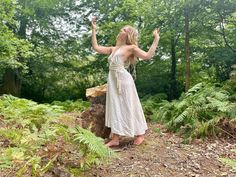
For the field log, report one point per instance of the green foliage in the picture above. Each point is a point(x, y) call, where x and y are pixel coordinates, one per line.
point(150, 102)
point(230, 85)
point(69, 105)
point(33, 137)
point(49, 44)
point(197, 112)
point(91, 146)
point(10, 155)
point(228, 161)
point(11, 47)
point(26, 113)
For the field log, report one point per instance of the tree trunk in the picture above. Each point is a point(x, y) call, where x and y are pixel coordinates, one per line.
point(11, 78)
point(173, 82)
point(22, 29)
point(187, 50)
point(11, 82)
point(94, 117)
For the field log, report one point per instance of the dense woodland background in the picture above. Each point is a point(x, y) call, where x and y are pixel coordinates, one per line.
point(46, 50)
point(46, 56)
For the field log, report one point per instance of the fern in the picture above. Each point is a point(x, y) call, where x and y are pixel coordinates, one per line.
point(92, 143)
point(29, 128)
point(197, 112)
point(69, 106)
point(228, 161)
point(180, 118)
point(14, 135)
point(91, 147)
point(194, 89)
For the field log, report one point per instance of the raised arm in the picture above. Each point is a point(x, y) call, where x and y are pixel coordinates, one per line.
point(148, 55)
point(96, 47)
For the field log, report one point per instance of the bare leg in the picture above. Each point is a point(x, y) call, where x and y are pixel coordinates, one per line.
point(139, 139)
point(114, 141)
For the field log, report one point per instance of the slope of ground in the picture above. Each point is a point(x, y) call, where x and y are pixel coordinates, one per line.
point(163, 155)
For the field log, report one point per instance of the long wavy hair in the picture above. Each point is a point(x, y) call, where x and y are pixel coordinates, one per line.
point(132, 39)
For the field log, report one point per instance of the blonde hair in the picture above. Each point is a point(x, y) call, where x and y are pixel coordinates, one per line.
point(132, 39)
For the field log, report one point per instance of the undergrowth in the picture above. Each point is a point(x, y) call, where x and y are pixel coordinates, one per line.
point(196, 113)
point(69, 106)
point(202, 111)
point(229, 162)
point(34, 141)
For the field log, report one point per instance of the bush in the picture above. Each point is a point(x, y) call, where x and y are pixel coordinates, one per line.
point(197, 112)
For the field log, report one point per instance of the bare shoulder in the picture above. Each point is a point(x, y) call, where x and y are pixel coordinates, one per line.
point(103, 49)
point(130, 48)
point(133, 48)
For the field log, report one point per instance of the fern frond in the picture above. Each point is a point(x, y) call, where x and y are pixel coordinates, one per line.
point(229, 162)
point(194, 89)
point(93, 143)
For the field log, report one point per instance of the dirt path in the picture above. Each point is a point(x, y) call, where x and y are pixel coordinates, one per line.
point(163, 155)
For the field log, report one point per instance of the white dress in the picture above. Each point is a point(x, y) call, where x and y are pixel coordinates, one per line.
point(124, 113)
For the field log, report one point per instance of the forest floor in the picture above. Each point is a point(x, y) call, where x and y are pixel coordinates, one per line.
point(163, 154)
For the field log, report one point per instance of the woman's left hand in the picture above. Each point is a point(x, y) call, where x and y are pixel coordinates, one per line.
point(156, 33)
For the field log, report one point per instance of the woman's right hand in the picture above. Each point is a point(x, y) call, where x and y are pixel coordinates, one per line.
point(93, 23)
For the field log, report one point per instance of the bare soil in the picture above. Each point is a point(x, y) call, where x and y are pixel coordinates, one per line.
point(164, 154)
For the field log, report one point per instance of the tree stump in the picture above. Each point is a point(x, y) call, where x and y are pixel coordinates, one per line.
point(94, 117)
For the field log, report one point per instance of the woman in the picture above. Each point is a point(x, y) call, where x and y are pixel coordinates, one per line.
point(124, 114)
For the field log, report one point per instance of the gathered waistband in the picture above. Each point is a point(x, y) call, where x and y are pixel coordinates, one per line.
point(116, 68)
point(117, 74)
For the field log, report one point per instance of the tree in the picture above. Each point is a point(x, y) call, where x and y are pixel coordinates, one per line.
point(187, 52)
point(13, 51)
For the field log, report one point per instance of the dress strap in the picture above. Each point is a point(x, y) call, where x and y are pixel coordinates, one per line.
point(113, 53)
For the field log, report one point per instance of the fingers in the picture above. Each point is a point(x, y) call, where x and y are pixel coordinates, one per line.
point(158, 30)
point(93, 22)
point(94, 19)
